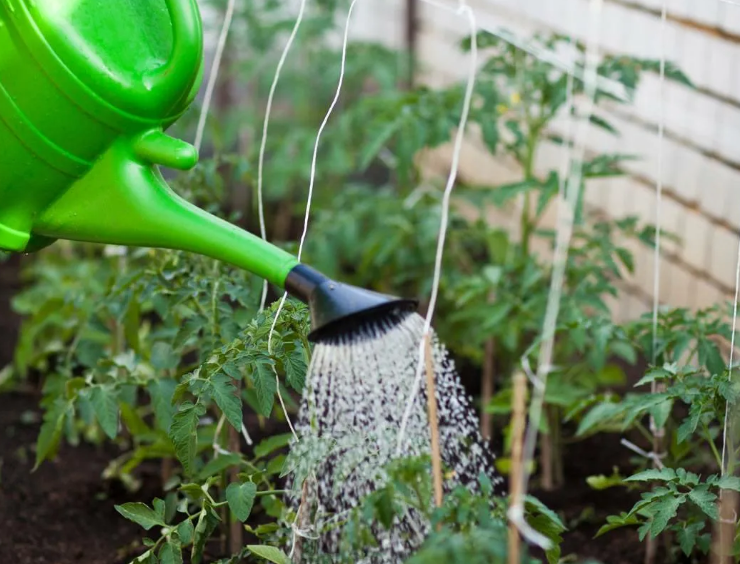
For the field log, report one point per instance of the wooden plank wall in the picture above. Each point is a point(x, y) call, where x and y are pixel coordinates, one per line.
point(701, 150)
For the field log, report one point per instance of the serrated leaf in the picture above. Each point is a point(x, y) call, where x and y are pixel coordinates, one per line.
point(295, 369)
point(729, 483)
point(705, 500)
point(662, 511)
point(184, 436)
point(687, 537)
point(170, 553)
point(269, 553)
point(228, 399)
point(141, 514)
point(51, 430)
point(105, 404)
point(265, 385)
point(241, 499)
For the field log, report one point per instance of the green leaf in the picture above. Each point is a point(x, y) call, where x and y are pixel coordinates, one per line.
point(218, 465)
point(705, 500)
point(271, 444)
point(661, 412)
point(163, 357)
point(615, 522)
point(295, 368)
point(663, 511)
point(171, 553)
point(228, 399)
point(207, 522)
point(183, 434)
point(105, 404)
point(602, 413)
point(687, 536)
point(161, 391)
point(545, 511)
point(185, 531)
point(141, 514)
point(664, 474)
point(265, 385)
point(505, 192)
point(188, 330)
point(51, 430)
point(374, 146)
point(241, 499)
point(146, 558)
point(654, 375)
point(269, 553)
point(728, 483)
point(603, 482)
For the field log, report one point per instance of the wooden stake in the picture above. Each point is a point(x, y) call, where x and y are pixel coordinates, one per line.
point(516, 483)
point(433, 422)
point(724, 530)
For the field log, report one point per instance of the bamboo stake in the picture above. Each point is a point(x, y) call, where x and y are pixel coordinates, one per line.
point(724, 534)
point(518, 420)
point(433, 423)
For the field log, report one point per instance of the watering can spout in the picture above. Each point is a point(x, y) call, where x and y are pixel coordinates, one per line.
point(123, 200)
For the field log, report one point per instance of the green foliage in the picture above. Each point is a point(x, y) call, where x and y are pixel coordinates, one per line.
point(166, 353)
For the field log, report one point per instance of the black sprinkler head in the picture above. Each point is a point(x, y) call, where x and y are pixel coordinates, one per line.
point(338, 309)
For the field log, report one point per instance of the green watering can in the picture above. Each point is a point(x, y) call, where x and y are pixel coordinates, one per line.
point(87, 89)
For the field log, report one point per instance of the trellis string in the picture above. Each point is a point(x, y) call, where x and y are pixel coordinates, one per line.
point(265, 126)
point(462, 9)
point(566, 218)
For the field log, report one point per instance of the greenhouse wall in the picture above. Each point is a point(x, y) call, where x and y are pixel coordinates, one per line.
point(701, 161)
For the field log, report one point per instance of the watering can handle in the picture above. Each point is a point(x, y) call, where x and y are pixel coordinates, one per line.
point(180, 71)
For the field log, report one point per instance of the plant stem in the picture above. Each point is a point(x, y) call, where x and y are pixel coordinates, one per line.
point(433, 423)
point(712, 446)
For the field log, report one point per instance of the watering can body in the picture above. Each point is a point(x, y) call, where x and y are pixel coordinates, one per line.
point(87, 89)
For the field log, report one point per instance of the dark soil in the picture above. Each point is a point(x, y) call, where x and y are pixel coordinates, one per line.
point(63, 513)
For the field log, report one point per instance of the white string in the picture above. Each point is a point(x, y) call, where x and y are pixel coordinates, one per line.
point(215, 68)
point(312, 180)
point(659, 189)
point(566, 216)
point(725, 460)
point(725, 457)
point(265, 125)
point(454, 167)
point(654, 456)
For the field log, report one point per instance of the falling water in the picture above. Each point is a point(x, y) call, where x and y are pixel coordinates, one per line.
point(349, 422)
